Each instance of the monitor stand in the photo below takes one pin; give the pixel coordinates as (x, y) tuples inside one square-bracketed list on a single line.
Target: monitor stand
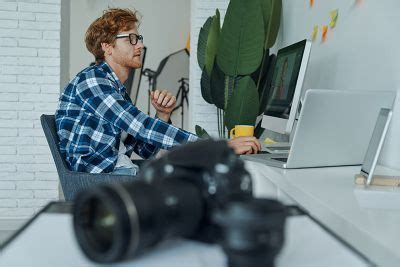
[(284, 140)]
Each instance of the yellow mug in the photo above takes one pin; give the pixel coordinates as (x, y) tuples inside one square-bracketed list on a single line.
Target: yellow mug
[(241, 130)]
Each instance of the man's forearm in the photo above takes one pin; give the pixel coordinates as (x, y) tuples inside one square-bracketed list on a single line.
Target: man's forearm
[(163, 116)]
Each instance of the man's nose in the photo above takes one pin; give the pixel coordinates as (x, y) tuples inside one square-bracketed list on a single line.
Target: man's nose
[(139, 45)]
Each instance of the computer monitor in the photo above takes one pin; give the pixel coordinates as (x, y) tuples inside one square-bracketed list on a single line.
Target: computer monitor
[(287, 82)]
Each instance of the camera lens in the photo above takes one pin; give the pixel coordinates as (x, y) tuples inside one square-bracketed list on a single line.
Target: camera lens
[(101, 224), (101, 228), (252, 231), (119, 221)]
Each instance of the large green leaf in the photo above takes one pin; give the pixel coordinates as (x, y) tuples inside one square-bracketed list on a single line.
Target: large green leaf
[(272, 10), (243, 106), (205, 84), (201, 132), (242, 38), (202, 42), (218, 87), (230, 83), (212, 42)]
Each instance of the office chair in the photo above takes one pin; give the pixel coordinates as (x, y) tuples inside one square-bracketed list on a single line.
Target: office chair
[(71, 181)]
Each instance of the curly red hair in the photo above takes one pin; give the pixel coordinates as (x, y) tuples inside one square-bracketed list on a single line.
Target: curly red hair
[(105, 28)]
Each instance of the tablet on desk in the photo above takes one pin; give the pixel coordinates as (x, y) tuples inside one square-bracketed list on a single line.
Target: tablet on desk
[(375, 144)]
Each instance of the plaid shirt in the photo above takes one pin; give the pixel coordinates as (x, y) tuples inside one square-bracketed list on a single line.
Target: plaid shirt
[(93, 111)]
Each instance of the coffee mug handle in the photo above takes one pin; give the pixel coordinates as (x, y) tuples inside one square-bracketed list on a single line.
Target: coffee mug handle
[(232, 133)]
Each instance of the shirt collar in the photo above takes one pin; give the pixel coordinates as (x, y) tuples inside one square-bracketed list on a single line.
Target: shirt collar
[(121, 88)]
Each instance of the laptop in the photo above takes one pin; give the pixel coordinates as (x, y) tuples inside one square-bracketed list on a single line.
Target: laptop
[(334, 129)]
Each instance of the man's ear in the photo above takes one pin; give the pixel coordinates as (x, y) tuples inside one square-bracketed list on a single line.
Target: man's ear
[(107, 48)]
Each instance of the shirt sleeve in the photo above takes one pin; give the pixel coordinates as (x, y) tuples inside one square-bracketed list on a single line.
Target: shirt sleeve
[(141, 148), (99, 96)]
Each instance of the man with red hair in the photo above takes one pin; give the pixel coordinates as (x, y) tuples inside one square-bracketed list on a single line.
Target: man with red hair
[(97, 123)]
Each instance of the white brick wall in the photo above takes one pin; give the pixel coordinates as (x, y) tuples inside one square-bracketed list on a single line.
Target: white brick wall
[(200, 112), (29, 87)]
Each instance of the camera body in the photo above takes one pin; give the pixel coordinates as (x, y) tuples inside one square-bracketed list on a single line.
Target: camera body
[(211, 167), (199, 191)]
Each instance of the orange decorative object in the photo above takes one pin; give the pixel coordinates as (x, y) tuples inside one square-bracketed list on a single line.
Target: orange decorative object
[(311, 3), (324, 33)]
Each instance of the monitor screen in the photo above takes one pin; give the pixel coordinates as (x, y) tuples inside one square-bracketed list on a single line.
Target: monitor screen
[(286, 85)]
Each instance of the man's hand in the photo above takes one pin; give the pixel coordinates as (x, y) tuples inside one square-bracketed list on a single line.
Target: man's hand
[(245, 145), (164, 102)]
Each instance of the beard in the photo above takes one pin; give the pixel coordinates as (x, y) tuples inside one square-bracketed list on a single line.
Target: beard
[(136, 62)]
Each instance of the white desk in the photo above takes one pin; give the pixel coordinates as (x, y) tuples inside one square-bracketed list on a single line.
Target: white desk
[(365, 218), (50, 241), (328, 194)]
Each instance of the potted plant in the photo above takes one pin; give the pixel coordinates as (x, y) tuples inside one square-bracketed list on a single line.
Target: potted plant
[(235, 59)]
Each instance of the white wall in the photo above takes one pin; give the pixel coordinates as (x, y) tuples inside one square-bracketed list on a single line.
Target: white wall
[(29, 86), (164, 25), (361, 53)]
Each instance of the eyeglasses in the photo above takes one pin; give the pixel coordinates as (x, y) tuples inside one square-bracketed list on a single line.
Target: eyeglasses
[(133, 37)]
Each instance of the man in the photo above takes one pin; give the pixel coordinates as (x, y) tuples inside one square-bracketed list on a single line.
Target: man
[(97, 123)]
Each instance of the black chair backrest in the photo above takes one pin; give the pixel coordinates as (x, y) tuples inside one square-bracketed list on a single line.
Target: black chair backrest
[(49, 127), (71, 181)]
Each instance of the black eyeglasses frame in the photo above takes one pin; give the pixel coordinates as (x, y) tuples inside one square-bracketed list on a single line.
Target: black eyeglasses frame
[(130, 36)]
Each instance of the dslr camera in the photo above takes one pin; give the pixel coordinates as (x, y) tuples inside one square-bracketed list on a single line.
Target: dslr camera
[(200, 191)]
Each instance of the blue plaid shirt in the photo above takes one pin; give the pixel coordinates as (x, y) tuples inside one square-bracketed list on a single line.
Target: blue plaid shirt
[(91, 115)]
